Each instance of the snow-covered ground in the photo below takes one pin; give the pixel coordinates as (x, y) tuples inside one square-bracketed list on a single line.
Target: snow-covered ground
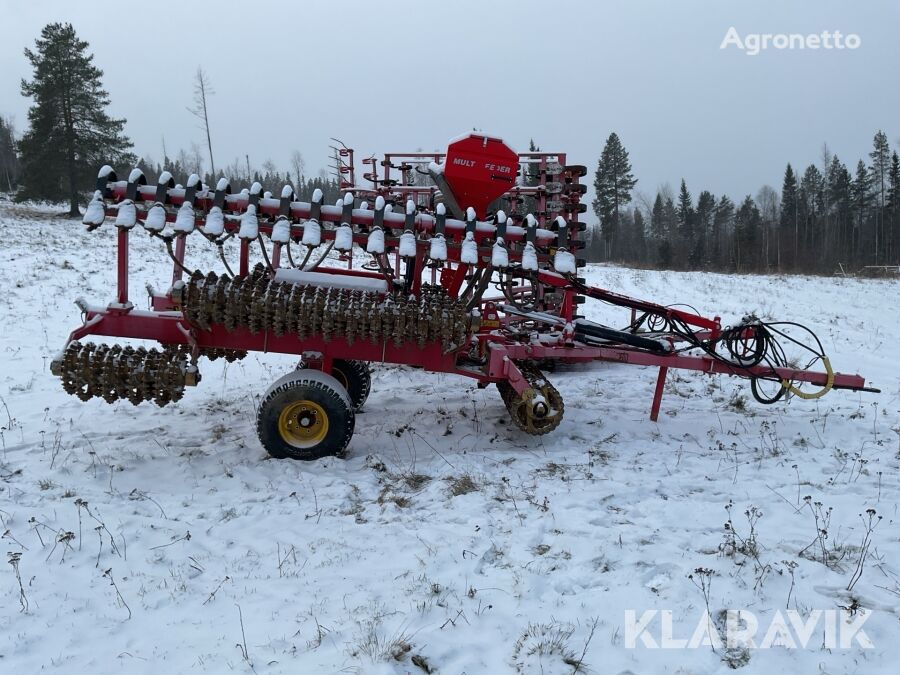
[(164, 540)]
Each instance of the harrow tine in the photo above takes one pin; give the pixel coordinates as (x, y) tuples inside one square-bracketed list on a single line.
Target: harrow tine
[(499, 254), (163, 185), (135, 179), (155, 221), (249, 224), (284, 205), (408, 238), (562, 237), (190, 192), (126, 217), (223, 189), (343, 236), (375, 244), (529, 254), (438, 249), (95, 213), (105, 176)]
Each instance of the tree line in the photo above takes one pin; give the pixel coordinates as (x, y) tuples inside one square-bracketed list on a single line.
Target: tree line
[(825, 219)]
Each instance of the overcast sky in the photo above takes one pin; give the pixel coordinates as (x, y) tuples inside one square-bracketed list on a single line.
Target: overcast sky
[(388, 76)]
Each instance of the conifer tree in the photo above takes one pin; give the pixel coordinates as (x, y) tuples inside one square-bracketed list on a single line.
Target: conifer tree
[(790, 214), (613, 183), (70, 135)]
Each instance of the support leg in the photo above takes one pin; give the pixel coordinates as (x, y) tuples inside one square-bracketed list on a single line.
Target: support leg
[(122, 277), (657, 395)]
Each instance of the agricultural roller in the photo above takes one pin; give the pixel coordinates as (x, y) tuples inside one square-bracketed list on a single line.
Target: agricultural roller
[(472, 268)]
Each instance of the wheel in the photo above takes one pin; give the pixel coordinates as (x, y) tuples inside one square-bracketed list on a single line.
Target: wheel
[(356, 379), (539, 410), (305, 415), (354, 376)]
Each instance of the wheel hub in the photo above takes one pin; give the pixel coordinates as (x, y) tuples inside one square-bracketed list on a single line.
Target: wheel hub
[(303, 424)]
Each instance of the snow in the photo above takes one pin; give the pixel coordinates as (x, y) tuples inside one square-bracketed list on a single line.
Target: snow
[(364, 206), (222, 184), (501, 216), (529, 257), (469, 252), (126, 215), (315, 376), (564, 262), (499, 254), (281, 230), (135, 175), (438, 248), (348, 198), (164, 178), (287, 192), (256, 188), (317, 196), (370, 284), (193, 180), (408, 245), (470, 213), (184, 219), (156, 218), (249, 224), (215, 222), (441, 209), (312, 233), (410, 207), (436, 168), (445, 527), (105, 171), (343, 238), (375, 243), (379, 203), (95, 212)]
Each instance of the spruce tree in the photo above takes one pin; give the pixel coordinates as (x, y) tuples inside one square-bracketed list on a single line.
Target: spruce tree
[(721, 230), (790, 214), (685, 226), (613, 183), (747, 228), (70, 135), (706, 206)]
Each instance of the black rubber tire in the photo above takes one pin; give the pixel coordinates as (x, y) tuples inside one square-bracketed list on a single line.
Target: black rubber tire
[(320, 389), (356, 378)]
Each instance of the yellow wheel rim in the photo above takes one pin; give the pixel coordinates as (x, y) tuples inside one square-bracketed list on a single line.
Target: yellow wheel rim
[(303, 424)]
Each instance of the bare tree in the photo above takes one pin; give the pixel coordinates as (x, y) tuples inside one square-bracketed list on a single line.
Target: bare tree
[(202, 91), (767, 200), (298, 165)]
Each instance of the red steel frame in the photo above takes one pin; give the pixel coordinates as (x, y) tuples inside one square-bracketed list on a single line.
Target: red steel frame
[(495, 352)]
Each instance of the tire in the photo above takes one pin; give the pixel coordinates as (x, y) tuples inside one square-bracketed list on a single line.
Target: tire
[(305, 415), (356, 378)]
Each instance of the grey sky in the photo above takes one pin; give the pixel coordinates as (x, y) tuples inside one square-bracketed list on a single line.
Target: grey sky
[(389, 76)]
